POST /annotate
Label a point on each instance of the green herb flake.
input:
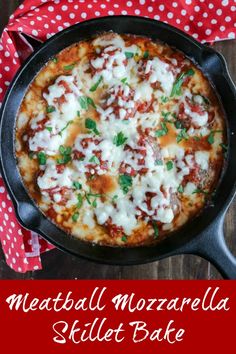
(146, 54)
(55, 60)
(155, 229)
(42, 158)
(125, 182)
(85, 102)
(90, 195)
(176, 89)
(69, 67)
(78, 113)
(75, 217)
(182, 135)
(94, 159)
(49, 129)
(159, 163)
(65, 151)
(224, 147)
(77, 185)
(91, 125)
(124, 81)
(164, 99)
(79, 201)
(197, 138)
(163, 131)
(129, 55)
(114, 198)
(200, 191)
(65, 127)
(165, 115)
(95, 86)
(50, 109)
(180, 189)
(94, 203)
(169, 165)
(178, 125)
(119, 139)
(211, 138)
(124, 238)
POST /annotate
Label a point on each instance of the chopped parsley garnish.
(182, 135)
(124, 80)
(211, 137)
(95, 86)
(165, 115)
(55, 60)
(85, 102)
(124, 238)
(155, 228)
(197, 138)
(42, 158)
(146, 54)
(50, 109)
(129, 55)
(176, 89)
(125, 182)
(159, 163)
(65, 127)
(164, 99)
(169, 165)
(178, 125)
(75, 217)
(200, 191)
(91, 125)
(163, 131)
(205, 100)
(94, 159)
(49, 129)
(180, 189)
(79, 201)
(90, 195)
(65, 152)
(119, 139)
(69, 67)
(114, 198)
(77, 185)
(224, 147)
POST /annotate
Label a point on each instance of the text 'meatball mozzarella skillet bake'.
(121, 141)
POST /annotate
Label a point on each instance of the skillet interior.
(28, 214)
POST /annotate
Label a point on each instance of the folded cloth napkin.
(207, 21)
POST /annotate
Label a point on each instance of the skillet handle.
(211, 245)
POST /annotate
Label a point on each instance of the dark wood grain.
(57, 264)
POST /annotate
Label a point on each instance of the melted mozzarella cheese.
(43, 140)
(154, 186)
(160, 71)
(202, 159)
(51, 178)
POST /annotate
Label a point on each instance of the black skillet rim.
(106, 254)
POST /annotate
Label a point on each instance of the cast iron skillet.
(202, 236)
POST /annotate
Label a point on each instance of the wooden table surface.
(58, 265)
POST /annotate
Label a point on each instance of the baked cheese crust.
(120, 140)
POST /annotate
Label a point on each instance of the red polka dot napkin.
(204, 20)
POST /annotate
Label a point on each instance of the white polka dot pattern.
(41, 19)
